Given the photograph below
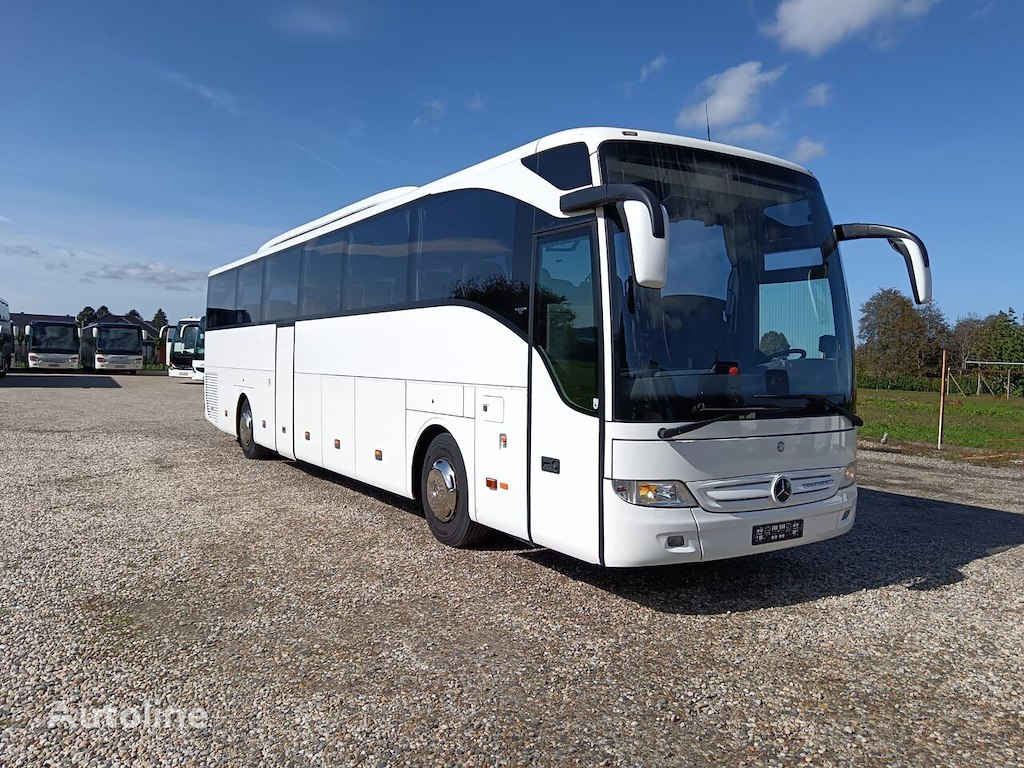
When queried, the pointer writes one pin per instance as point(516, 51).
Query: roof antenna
point(706, 117)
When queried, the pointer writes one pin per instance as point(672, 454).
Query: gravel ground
point(302, 619)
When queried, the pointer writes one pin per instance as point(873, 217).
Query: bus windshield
point(120, 340)
point(755, 304)
point(53, 337)
point(186, 337)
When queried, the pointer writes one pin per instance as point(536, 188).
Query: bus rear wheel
point(444, 493)
point(247, 435)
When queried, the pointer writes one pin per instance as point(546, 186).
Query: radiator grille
point(210, 392)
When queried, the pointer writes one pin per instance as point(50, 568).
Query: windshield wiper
point(727, 414)
point(830, 405)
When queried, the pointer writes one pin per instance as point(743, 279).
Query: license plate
point(773, 532)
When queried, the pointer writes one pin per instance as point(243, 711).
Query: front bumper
point(639, 536)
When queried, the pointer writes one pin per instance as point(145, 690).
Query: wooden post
point(942, 400)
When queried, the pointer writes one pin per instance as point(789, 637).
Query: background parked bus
point(49, 344)
point(629, 347)
point(111, 347)
point(6, 339)
point(199, 359)
point(180, 346)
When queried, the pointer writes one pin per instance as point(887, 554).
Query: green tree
point(133, 314)
point(967, 341)
point(102, 312)
point(86, 316)
point(160, 319)
point(898, 338)
point(772, 342)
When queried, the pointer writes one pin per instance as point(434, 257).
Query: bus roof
point(592, 137)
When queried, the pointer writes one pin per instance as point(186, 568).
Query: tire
point(246, 436)
point(4, 364)
point(447, 509)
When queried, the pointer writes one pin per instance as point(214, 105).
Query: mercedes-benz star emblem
point(782, 490)
point(781, 446)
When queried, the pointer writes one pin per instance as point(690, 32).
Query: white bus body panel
point(564, 506)
point(53, 361)
point(338, 420)
point(501, 413)
point(380, 426)
point(284, 393)
point(733, 455)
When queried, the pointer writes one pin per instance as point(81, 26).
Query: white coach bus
point(180, 347)
point(51, 344)
point(630, 347)
point(111, 347)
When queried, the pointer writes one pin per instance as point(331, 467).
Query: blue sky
point(142, 144)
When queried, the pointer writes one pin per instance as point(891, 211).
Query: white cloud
point(21, 249)
point(654, 65)
point(806, 150)
point(5, 220)
point(731, 96)
point(212, 96)
point(750, 132)
point(819, 95)
point(152, 272)
point(434, 114)
point(304, 21)
point(475, 104)
point(814, 26)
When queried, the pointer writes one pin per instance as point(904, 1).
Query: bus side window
point(564, 318)
point(378, 262)
point(465, 251)
point(320, 292)
point(250, 293)
point(281, 285)
point(220, 301)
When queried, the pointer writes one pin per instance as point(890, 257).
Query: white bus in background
point(199, 358)
point(180, 346)
point(633, 348)
point(51, 345)
point(111, 347)
point(6, 339)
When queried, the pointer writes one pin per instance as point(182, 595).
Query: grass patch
point(987, 423)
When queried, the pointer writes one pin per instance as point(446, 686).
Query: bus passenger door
point(284, 391)
point(564, 461)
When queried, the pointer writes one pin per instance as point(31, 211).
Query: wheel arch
point(238, 413)
point(420, 452)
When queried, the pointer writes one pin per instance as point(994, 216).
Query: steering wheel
point(782, 353)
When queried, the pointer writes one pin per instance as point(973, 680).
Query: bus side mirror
point(645, 220)
point(650, 252)
point(905, 243)
point(28, 331)
point(95, 333)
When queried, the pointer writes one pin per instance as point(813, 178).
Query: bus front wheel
point(246, 433)
point(444, 494)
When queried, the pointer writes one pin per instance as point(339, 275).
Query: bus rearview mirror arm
point(905, 243)
point(645, 220)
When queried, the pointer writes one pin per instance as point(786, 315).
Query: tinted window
point(250, 293)
point(321, 276)
point(281, 285)
point(220, 299)
point(566, 167)
point(378, 262)
point(466, 251)
point(565, 328)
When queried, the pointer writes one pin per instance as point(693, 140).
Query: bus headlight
point(849, 475)
point(654, 493)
